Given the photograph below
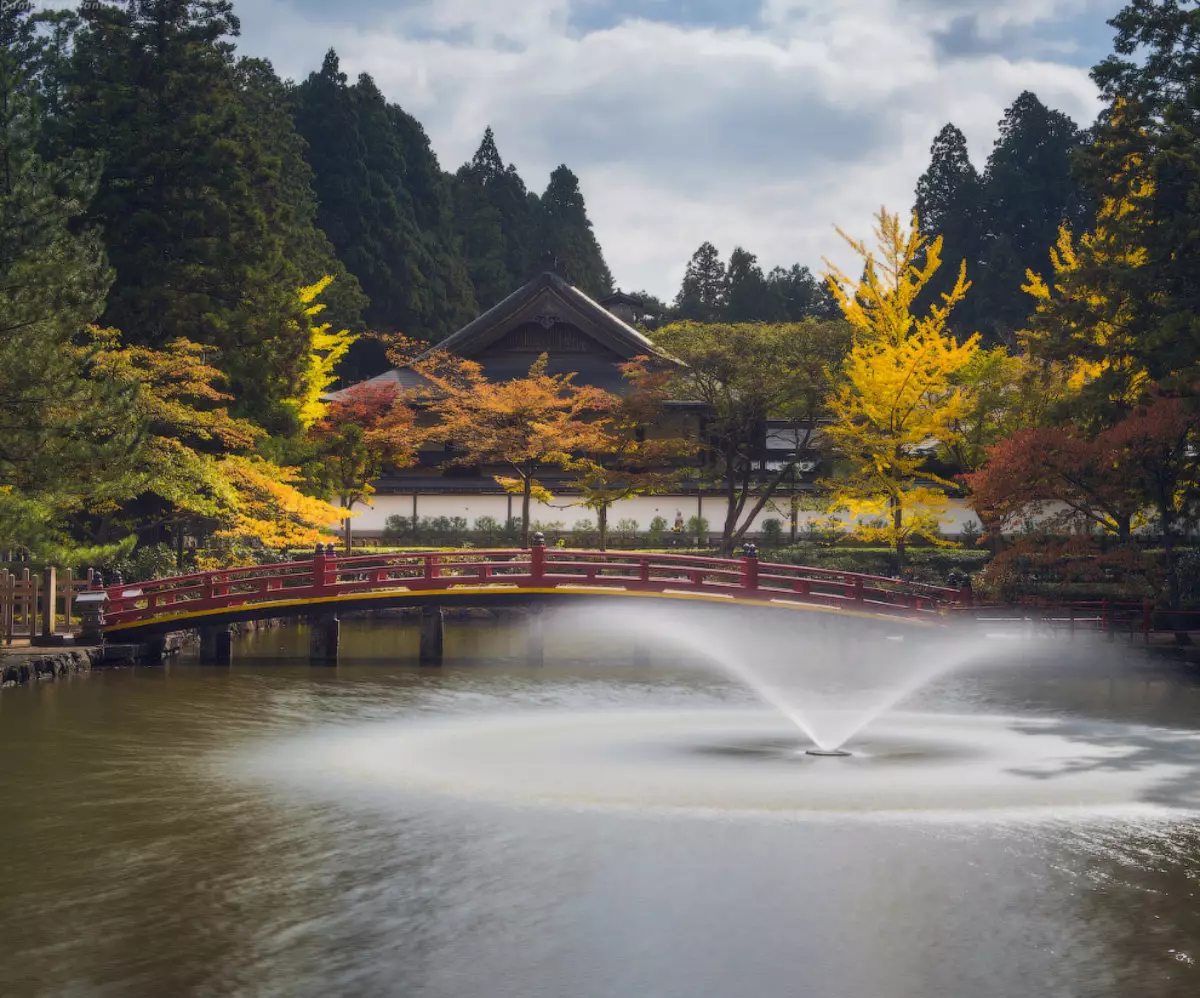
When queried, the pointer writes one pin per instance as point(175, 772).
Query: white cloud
point(766, 135)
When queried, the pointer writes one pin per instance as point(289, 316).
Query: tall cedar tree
point(384, 204)
point(494, 219)
point(198, 251)
point(1148, 143)
point(949, 203)
point(1029, 192)
point(703, 293)
point(269, 108)
point(563, 233)
point(64, 438)
point(1002, 223)
point(749, 298)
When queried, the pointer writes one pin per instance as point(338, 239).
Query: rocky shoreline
point(42, 664)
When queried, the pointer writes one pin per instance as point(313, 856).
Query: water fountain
point(831, 676)
point(834, 740)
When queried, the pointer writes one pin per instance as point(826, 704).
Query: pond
point(593, 827)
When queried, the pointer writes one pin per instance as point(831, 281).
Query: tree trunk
point(347, 530)
point(602, 521)
point(898, 527)
point(526, 496)
point(731, 509)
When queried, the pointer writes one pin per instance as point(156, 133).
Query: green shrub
point(584, 534)
point(626, 531)
point(150, 561)
point(930, 565)
point(772, 532)
point(657, 532)
point(697, 527)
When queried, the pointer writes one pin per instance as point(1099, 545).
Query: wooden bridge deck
point(326, 583)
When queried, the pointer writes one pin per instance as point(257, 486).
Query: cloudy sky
point(753, 122)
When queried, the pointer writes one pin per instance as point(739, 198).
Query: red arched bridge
point(324, 585)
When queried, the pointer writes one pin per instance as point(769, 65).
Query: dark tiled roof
point(568, 304)
point(589, 316)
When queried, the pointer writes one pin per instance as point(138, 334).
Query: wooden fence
point(28, 611)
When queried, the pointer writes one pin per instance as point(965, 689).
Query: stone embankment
point(24, 664)
point(27, 664)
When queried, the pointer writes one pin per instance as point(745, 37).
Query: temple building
point(591, 339)
point(548, 316)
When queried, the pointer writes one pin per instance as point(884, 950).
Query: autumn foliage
point(363, 431)
point(899, 397)
point(525, 425)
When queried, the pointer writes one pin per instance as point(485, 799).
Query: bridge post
point(537, 557)
point(324, 568)
point(216, 644)
point(433, 636)
point(965, 596)
point(749, 566)
point(324, 637)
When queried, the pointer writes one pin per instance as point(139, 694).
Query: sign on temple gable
point(536, 338)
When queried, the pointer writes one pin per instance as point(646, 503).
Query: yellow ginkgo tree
point(325, 352)
point(898, 395)
point(1083, 331)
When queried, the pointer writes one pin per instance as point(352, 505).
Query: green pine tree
point(1149, 135)
point(1029, 190)
point(564, 233)
point(63, 437)
point(197, 250)
point(269, 108)
point(702, 295)
point(749, 296)
point(384, 204)
point(494, 218)
point(949, 203)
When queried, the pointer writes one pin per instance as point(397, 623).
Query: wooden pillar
point(433, 636)
point(216, 644)
point(29, 586)
point(49, 601)
point(536, 647)
point(324, 637)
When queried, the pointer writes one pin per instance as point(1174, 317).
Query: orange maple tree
point(525, 424)
point(365, 430)
point(626, 462)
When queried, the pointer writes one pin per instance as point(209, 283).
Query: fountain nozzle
point(827, 753)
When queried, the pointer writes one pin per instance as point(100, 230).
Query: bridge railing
point(326, 576)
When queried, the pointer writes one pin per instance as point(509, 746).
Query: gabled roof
point(548, 297)
point(547, 300)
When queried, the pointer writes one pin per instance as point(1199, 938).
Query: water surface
point(145, 854)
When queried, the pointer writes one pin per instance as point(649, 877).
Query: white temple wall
point(371, 519)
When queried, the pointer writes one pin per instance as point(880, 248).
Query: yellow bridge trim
point(779, 602)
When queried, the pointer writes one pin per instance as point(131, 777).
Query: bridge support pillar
point(536, 641)
point(433, 636)
point(216, 645)
point(324, 636)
